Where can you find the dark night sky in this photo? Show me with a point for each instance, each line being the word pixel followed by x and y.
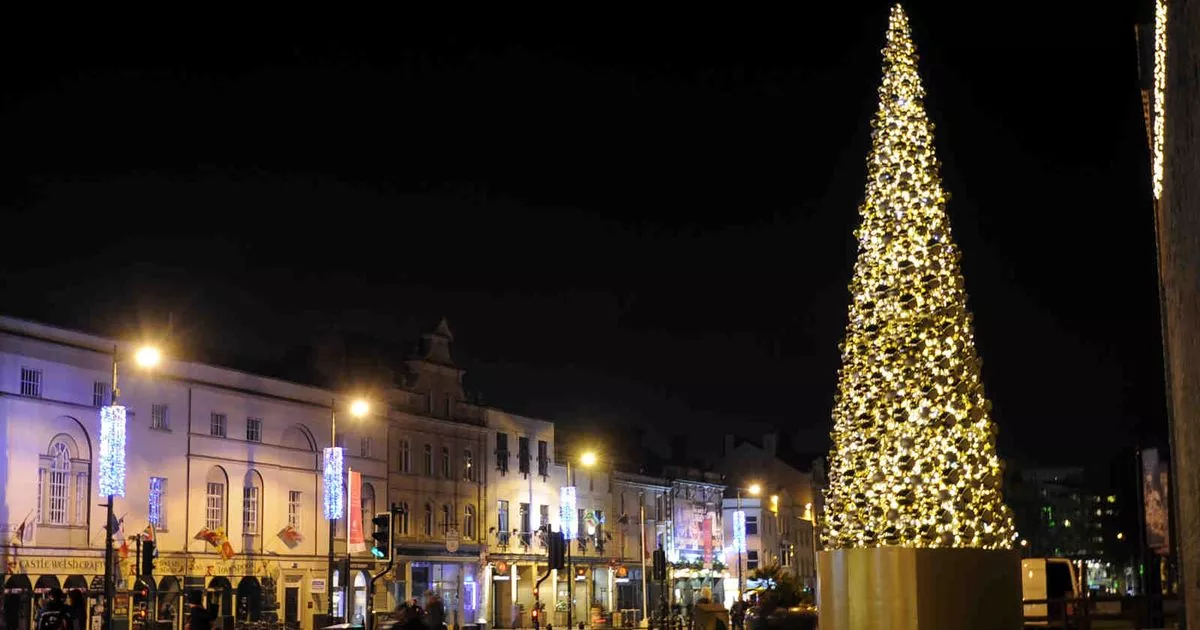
pixel 649 226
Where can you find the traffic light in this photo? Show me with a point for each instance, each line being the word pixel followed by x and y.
pixel 660 565
pixel 147 558
pixel 382 536
pixel 558 551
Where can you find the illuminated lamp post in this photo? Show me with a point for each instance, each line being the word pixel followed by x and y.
pixel 112 465
pixel 334 474
pixel 570 526
pixel 739 533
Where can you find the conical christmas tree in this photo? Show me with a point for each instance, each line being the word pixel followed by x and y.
pixel 913 462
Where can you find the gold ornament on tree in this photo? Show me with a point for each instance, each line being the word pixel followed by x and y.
pixel 913 462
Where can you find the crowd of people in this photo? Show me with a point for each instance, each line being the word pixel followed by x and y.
pixel 411 616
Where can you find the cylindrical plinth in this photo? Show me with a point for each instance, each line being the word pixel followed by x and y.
pixel 919 589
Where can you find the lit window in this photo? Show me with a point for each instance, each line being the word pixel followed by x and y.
pixel 468 465
pixel 60 473
pixel 250 510
pixel 214 513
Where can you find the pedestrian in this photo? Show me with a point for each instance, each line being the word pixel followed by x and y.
pixel 435 612
pixel 737 614
pixel 198 618
pixel 54 614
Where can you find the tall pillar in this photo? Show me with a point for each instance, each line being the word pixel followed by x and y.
pixel 1179 269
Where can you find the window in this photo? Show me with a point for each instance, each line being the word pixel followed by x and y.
pixel 364 446
pixel 405 457
pixel 445 520
pixel 41 497
pixel 428 460
pixel 294 509
pixel 525 518
pixel 159 417
pixel 216 424
pixel 214 513
pixel 502 521
pixel 60 476
pixel 591 482
pixel 544 522
pixel 469 522
pixel 402 521
pixel 428 528
pixel 502 452
pixel 523 455
pixel 658 507
pixel 250 509
pixel 445 462
pixel 81 495
pixel 751 558
pixel 99 394
pixel 156 504
pixel 368 502
pixel 543 458
pixel 751 525
pixel 468 465
pixel 31 382
pixel 253 429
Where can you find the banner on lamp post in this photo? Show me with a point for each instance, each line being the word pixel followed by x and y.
pixel 570 518
pixel 354 507
pixel 334 503
pixel 112 451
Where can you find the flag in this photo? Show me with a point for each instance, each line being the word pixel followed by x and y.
pixel 226 550
pixel 124 549
pixel 354 505
pixel 148 533
pixel 209 536
pixel 290 536
pixel 19 536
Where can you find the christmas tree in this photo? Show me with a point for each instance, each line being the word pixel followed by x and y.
pixel 913 462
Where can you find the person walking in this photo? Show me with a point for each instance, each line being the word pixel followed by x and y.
pixel 54 614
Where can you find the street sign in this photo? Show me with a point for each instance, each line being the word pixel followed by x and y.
pixel 452 540
pixel 317 586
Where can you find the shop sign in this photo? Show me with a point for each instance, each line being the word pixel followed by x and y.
pixel 317 586
pixel 62 564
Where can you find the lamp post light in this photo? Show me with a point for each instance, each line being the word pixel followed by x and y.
pixel 334 473
pixel 754 489
pixel 587 460
pixel 112 464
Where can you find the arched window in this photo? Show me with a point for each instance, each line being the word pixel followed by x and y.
pixel 252 513
pixel 402 520
pixel 405 457
pixel 298 437
pixel 60 477
pixel 428 460
pixel 445 520
pixel 446 462
pixel 469 522
pixel 214 498
pixel 368 503
pixel 62 483
pixel 468 465
pixel 428 527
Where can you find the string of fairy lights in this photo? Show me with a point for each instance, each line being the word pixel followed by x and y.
pixel 913 462
pixel 1160 94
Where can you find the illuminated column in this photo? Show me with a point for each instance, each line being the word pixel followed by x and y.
pixel 915 483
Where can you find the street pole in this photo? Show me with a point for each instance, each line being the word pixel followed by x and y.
pixel 109 585
pixel 642 528
pixel 570 565
pixel 332 521
pixel 741 586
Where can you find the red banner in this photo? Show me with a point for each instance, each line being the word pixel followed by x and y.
pixel 354 503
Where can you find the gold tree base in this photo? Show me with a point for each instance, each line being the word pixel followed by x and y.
pixel 898 588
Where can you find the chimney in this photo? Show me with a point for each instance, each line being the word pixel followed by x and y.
pixel 729 444
pixel 770 441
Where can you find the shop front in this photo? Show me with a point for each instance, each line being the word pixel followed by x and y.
pixel 453 577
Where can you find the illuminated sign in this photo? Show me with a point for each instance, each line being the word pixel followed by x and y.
pixel 739 531
pixel 112 451
pixel 334 499
pixel 570 519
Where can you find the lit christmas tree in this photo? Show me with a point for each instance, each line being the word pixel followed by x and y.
pixel 914 460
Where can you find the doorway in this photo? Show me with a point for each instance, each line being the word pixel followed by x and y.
pixel 291 606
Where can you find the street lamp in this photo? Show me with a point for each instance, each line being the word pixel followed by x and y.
pixel 334 485
pixel 112 464
pixel 754 489
pixel 587 459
